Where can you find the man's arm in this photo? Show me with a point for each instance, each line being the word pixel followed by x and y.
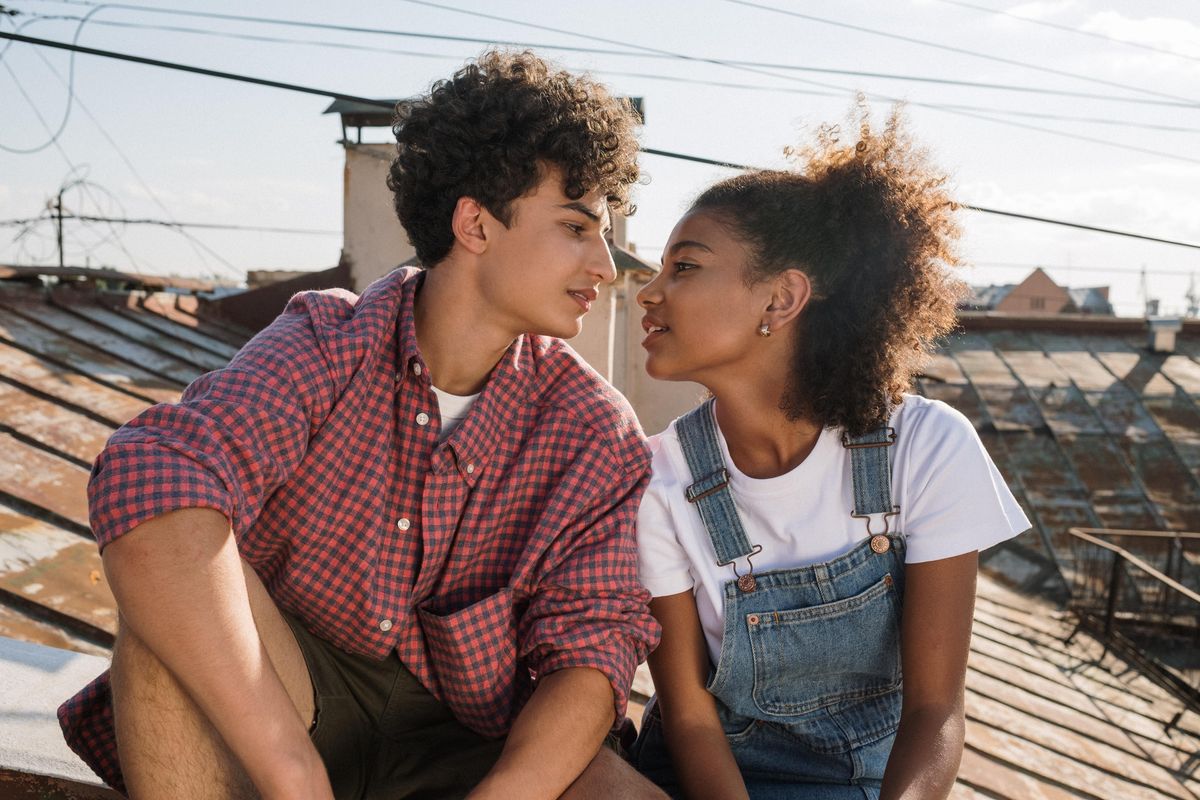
pixel 179 585
pixel 554 738
pixel 939 601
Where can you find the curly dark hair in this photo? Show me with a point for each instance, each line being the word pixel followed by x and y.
pixel 872 224
pixel 484 133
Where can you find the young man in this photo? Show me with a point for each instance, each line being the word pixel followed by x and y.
pixel 391 543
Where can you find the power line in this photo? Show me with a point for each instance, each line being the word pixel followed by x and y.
pixel 619 73
pixel 385 104
pixel 197 246
pixel 177 224
pixel 724 63
pixel 212 73
pixel 558 47
pixel 83 184
pixel 980 209
pixel 62 125
pixel 1079 31
pixel 889 98
pixel 953 49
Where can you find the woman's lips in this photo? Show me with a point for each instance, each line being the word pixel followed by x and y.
pixel 653 329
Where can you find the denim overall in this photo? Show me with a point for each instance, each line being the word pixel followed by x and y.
pixel 808 684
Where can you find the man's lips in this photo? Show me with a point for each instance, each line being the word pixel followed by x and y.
pixel 585 297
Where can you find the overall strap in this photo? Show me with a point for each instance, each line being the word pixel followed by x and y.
pixel 697 431
pixel 871 472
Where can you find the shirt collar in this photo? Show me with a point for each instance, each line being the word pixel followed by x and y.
pixel 508 393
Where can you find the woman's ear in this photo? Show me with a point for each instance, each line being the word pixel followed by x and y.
pixel 467 225
pixel 791 292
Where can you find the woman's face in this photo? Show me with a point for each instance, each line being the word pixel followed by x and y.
pixel 701 318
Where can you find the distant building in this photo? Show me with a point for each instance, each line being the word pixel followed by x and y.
pixel 1038 294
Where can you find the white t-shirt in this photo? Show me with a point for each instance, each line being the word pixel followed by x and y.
pixel 453 409
pixel 952 501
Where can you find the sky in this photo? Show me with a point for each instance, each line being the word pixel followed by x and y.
pixel 1097 121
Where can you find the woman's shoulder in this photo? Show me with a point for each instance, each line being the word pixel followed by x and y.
pixel 666 457
pixel 920 417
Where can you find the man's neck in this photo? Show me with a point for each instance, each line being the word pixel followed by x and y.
pixel 458 346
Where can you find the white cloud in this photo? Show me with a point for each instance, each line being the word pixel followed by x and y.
pixel 1042 9
pixel 1169 33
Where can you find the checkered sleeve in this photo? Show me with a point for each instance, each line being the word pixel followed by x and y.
pixel 590 610
pixel 236 434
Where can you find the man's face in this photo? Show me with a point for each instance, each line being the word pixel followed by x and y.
pixel 541 273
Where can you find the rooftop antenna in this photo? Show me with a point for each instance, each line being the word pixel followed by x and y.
pixel 1149 304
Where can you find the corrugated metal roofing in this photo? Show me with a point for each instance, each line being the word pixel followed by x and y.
pixel 1088 428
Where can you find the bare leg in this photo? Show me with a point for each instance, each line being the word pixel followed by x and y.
pixel 167 748
pixel 608 776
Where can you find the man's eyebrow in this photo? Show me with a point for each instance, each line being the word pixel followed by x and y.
pixel 575 205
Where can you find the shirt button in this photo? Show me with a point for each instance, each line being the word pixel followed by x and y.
pixel 470 468
pixel 385 625
pixel 422 418
pixel 416 369
pixel 404 524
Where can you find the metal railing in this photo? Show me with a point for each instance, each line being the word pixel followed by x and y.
pixel 1137 591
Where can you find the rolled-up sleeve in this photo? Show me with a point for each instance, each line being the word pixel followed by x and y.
pixel 590 610
pixel 234 437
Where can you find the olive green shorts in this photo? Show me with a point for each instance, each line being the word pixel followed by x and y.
pixel 382 735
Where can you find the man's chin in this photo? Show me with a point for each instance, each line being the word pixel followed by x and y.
pixel 563 331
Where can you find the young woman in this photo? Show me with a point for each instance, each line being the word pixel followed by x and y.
pixel 811 532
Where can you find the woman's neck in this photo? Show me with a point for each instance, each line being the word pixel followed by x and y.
pixel 763 442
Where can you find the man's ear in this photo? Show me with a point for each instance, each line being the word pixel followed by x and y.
pixel 467 225
pixel 791 292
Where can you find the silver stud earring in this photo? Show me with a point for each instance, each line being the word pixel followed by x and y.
pixel 764 330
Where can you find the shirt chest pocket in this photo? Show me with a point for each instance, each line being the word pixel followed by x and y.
pixel 474 654
pixel 827 655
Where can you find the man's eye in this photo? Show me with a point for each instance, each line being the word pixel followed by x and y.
pixel 575 229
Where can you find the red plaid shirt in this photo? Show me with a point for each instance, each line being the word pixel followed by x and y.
pixel 503 554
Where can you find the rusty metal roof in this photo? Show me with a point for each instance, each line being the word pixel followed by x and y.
pixel 74 366
pixel 1088 428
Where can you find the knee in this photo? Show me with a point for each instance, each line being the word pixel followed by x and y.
pixel 133 663
pixel 611 776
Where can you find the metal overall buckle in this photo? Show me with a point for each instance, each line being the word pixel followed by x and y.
pixel 880 543
pixel 746 583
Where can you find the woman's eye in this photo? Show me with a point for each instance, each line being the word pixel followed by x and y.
pixel 684 266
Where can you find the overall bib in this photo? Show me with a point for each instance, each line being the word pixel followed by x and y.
pixel 808 685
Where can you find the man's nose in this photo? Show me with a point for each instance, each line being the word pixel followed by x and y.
pixel 602 265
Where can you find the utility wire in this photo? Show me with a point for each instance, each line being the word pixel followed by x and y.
pixel 889 98
pixel 626 74
pixel 561 47
pixel 171 223
pixel 723 63
pixel 953 49
pixel 62 125
pixel 62 152
pixel 980 209
pixel 212 73
pixel 385 104
pixel 198 247
pixel 1079 31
